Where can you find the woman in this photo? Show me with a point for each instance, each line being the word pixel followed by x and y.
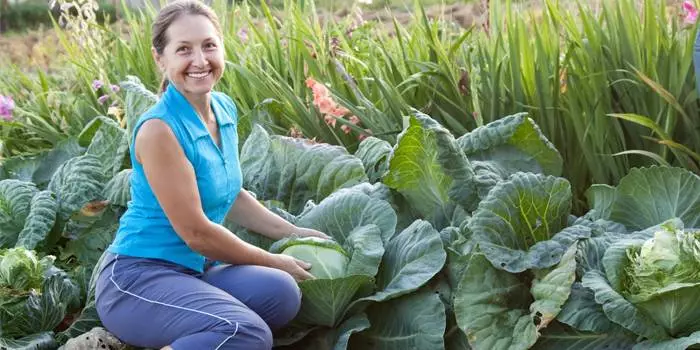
pixel 153 290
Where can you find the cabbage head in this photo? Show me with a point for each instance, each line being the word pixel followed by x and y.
pixel 651 285
pixel 34 298
pixel 341 273
pixel 327 258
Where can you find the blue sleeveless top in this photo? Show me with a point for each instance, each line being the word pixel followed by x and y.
pixel 144 229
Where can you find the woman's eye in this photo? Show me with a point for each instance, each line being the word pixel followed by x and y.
pixel 182 49
pixel 210 45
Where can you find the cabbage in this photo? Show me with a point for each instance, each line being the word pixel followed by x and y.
pixel 34 299
pixel 327 258
pixel 650 285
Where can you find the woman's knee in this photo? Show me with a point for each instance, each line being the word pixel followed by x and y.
pixel 253 335
pixel 289 299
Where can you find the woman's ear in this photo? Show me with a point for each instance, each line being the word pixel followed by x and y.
pixel 158 59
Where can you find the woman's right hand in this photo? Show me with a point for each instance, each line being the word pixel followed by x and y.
pixel 293 266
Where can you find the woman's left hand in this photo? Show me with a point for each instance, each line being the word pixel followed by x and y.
pixel 307 232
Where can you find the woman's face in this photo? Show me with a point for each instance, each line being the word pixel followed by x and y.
pixel 193 59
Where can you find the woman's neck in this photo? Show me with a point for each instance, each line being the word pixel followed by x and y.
pixel 202 106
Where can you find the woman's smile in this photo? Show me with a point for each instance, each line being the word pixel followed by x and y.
pixel 199 75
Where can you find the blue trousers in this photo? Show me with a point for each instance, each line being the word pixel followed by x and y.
pixel 153 303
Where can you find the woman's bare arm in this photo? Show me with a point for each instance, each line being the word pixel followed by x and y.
pixel 173 181
pixel 249 213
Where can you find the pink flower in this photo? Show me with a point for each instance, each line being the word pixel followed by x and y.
pixel 324 102
pixel 691 12
pixel 102 99
pixel 310 82
pixel 354 119
pixel 7 104
pixel 114 88
pixel 320 90
pixel 330 120
pixel 97 84
pixel 339 111
pixel 346 128
pixel 325 106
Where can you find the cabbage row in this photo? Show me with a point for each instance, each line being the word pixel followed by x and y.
pixel 437 242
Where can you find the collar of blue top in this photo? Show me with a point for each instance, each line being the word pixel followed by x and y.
pixel 178 104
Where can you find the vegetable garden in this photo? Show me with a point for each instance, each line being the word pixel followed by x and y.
pixel 530 183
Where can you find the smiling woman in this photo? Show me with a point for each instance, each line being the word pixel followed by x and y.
pixel 195 61
pixel 155 288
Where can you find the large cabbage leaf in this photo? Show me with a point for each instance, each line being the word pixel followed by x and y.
pixel 415 321
pixel 411 259
pixel 500 310
pixel 522 223
pixel 39 168
pixel 431 172
pixel 90 236
pixel 649 196
pixel 515 143
pixel 294 171
pixel 374 154
pixel 344 210
pixel 137 100
pixel 325 301
pixel 77 182
pixel 562 337
pixel 40 221
pixel 15 205
pixel 107 141
pixel 118 190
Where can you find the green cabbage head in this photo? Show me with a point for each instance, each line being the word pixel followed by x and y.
pixel 327 258
pixel 341 271
pixel 651 285
pixel 662 278
pixel 35 297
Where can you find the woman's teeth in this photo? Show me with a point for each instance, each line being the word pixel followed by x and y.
pixel 198 75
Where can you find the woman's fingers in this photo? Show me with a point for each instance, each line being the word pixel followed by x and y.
pixel 304 275
pixel 303 264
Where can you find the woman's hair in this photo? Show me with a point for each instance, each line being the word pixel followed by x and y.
pixel 171 12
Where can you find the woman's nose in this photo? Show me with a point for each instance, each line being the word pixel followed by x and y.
pixel 200 58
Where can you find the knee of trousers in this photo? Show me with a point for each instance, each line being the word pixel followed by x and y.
pixel 289 296
pixel 249 334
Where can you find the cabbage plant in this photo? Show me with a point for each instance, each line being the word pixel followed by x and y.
pixel 651 285
pixel 34 298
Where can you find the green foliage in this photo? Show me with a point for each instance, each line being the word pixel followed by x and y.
pixel 27 15
pixel 456 213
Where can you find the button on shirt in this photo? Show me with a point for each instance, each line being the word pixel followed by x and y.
pixel 144 229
